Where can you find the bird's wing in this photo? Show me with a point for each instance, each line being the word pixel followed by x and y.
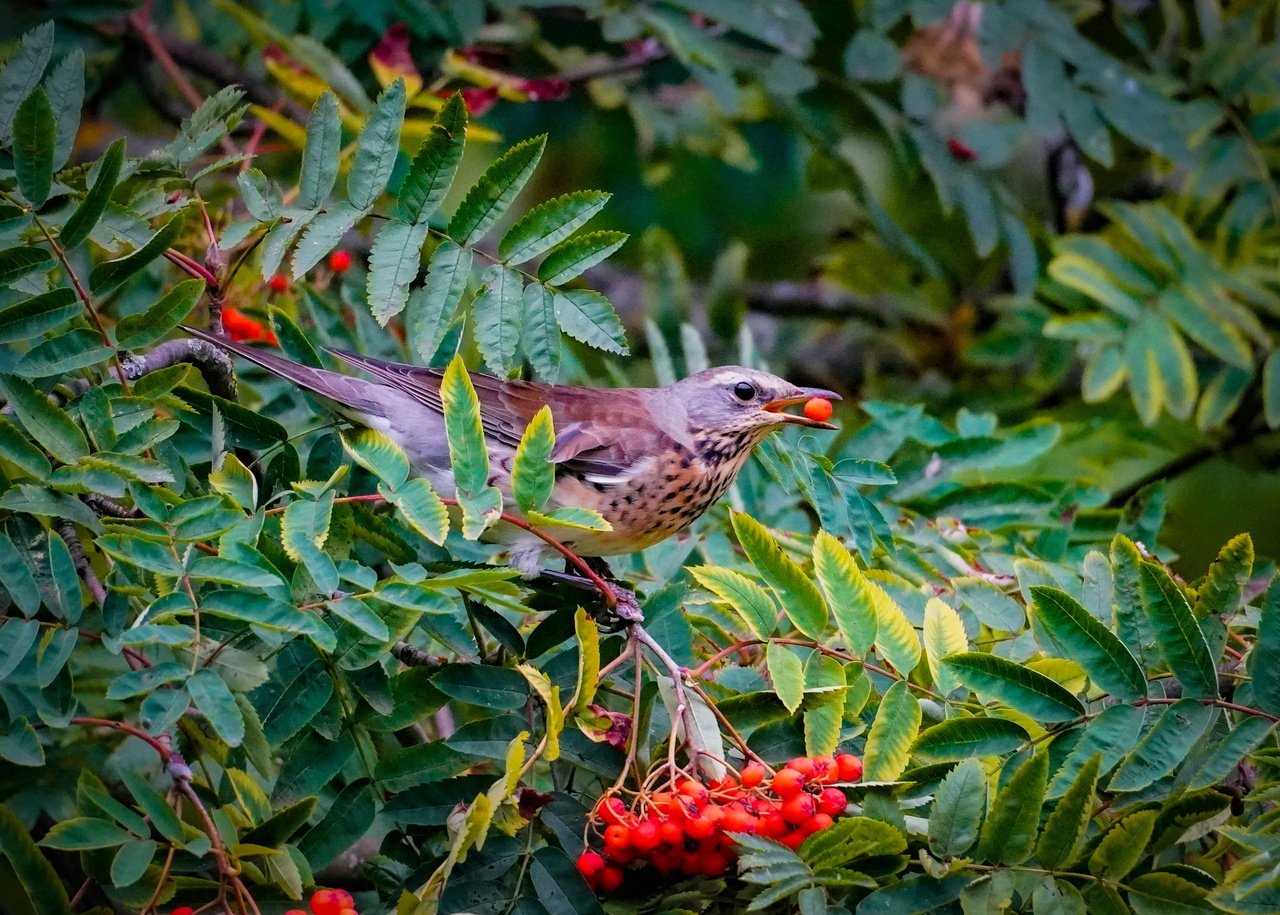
pixel 601 433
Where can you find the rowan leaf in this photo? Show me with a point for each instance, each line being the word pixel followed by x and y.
pixel 848 592
pixel 944 636
pixel 34 146
pixel 893 731
pixel 787 675
pixel 1009 834
pixel 533 476
pixel 957 810
pixel 394 262
pixel 577 255
pixel 498 317
pixel 1066 824
pixel 435 164
pixel 1181 641
pixel 376 148
pixel 1078 636
pixel 321 154
pixel 492 195
pixel 1164 746
pixel 796 592
pixel 588 317
pixel 548 224
pixel 960 738
pixel 431 308
pixel 747 598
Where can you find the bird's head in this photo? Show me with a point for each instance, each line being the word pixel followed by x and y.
pixel 732 399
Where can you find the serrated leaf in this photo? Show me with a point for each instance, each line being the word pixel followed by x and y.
pixel 848 592
pixel 991 605
pixel 586 316
pixel 468 456
pixel 321 154
pixel 498 316
pixel 235 481
pixel 393 266
pixel 1264 658
pixel 1009 834
pixel 435 164
pixel 577 255
pixel 541 333
pixel 796 592
pixel 533 476
pixel 34 144
pixel 1065 826
pixel 1123 846
pixel 74 349
pixel 896 639
pixel 379 455
pixel 432 307
pixel 1164 746
pixel 944 636
pixel 15 263
pixel 32 869
pixel 15 448
pixel 422 507
pixel 47 424
pixel 1181 641
pixel 21 73
pixel 571 516
pixel 322 235
pixel 960 738
pixel 957 810
pixel 357 613
pixel 1223 585
pixel 213 698
pixel 173 307
pixel 1080 637
pixel 893 731
pixel 492 195
pixel 304 530
pixel 37 315
pixel 65 88
pixel 1131 621
pixel 83 834
pixel 1020 688
pixel 111 274
pixel 377 147
pixel 747 598
pixel 548 224
pixel 787 675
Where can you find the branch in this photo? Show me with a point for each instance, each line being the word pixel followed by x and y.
pixel 214 364
pixel 67 531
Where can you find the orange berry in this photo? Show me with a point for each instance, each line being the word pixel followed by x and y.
pixel 752 775
pixel 279 283
pixel 672 833
pixel 832 801
pixel 348 912
pixel 611 811
pixel 184 910
pixel 694 791
pixel 326 902
pixel 825 770
pixel 802 764
pixel 818 409
pixel 617 837
pixel 798 809
pixel 611 878
pixel 738 819
pixel 787 783
pixel 340 261
pixel 850 767
pixel 793 839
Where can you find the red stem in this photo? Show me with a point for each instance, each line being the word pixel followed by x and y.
pixel 155 744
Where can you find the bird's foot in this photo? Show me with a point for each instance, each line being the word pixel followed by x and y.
pixel 626 610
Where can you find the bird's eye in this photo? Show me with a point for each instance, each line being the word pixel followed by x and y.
pixel 744 391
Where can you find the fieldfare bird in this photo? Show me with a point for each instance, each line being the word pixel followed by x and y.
pixel 651 461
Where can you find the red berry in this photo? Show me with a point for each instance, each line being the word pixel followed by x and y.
pixel 850 767
pixel 818 409
pixel 290 912
pixel 773 825
pixel 816 823
pixel 348 912
pixel 798 809
pixel 589 864
pixel 621 857
pixel 326 902
pixel 787 783
pixel 803 765
pixel 187 910
pixel 617 837
pixel 712 863
pixel 612 811
pixel 702 826
pixel 647 836
pixel 694 791
pixel 279 283
pixel 737 819
pixel 340 261
pixel 345 899
pixel 793 839
pixel 672 833
pixel 961 150
pixel 825 770
pixel 832 801
pixel 752 775
pixel 610 878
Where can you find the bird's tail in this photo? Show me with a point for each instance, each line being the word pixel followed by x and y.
pixel 354 394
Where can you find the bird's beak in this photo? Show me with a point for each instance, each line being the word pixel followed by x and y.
pixel 801 396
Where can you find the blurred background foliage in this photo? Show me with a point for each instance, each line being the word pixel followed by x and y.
pixel 1060 210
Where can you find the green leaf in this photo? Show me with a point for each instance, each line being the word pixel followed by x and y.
pixel 1066 825
pixel 848 593
pixel 15 448
pixel 532 474
pixel 1221 397
pixel 492 195
pixel 289 708
pixel 421 765
pixel 431 307
pixel 345 822
pixel 1223 585
pixel 213 698
pixel 1168 894
pixel 83 833
pixel 498 316
pixel 1081 638
pixel 1181 641
pixel 468 456
pixel 747 598
pixel 145 329
pixel 421 506
pixel 1164 746
pixel 67 352
pixel 281 825
pixel 22 72
pixel 960 738
pixel 957 810
pixel 896 725
pixel 293 342
pixel 896 639
pixel 109 275
pixel 32 869
pixel 377 147
pixel 304 530
pixel 357 613
pixel 944 636
pixel 33 317
pixel 65 88
pixel 796 592
pixel 379 455
pixel 1020 688
pixel 1197 322
pixel 560 888
pixel 1131 620
pixel 548 224
pixel 578 255
pixel 1009 834
pixel 1264 658
pixel 1270 388
pixel 990 604
pixel 34 140
pixel 586 316
pixel 541 332
pixel 131 862
pixel 393 264
pixel 15 263
pixel 483 686
pixel 914 895
pixel 787 675
pixel 47 424
pixel 323 234
pixel 1123 846
pixel 235 481
pixel 435 164
pixel 321 155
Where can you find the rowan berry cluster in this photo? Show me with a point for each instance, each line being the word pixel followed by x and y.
pixel 686 831
pixel 240 327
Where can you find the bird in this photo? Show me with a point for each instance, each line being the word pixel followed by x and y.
pixel 650 461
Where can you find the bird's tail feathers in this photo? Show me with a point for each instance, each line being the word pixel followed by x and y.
pixel 356 394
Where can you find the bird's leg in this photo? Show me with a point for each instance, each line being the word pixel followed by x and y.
pixel 627 609
pixel 598 565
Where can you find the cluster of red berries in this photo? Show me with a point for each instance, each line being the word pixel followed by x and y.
pixel 240 327
pixel 684 832
pixel 323 902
